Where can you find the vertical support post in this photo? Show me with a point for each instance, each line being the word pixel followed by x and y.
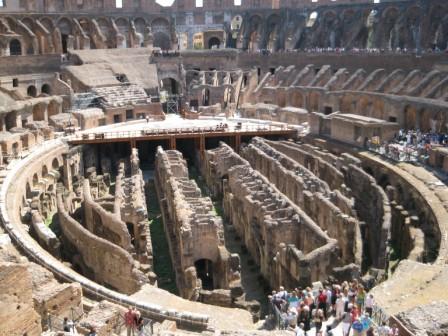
pixel 172 142
pixel 237 142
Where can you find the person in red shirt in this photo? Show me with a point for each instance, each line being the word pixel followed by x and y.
pixel 355 313
pixel 322 302
pixel 129 321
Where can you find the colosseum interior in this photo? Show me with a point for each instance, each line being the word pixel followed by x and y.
pixel 188 158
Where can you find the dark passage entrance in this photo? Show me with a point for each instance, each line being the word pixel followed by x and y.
pixel 204 269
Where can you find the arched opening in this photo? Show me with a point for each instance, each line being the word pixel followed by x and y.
pixel 15 48
pixel 410 117
pixel 64 41
pixel 31 91
pixel 44 171
pixel 55 164
pixel 204 270
pixel 214 43
pixel 206 97
pixel 314 102
pixel 130 228
pixel 35 180
pixel 28 191
pixel 46 89
pixel 123 28
pixel 171 85
pixel 296 99
pixel 65 27
pixel 39 112
pixel 53 108
pixel 312 19
pixel 162 41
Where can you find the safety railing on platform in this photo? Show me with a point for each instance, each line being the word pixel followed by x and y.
pixel 175 131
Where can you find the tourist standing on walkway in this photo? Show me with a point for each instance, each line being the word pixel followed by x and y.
pixel 129 321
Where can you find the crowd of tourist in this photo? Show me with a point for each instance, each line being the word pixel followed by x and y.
pixel 348 304
pixel 411 145
pixel 369 51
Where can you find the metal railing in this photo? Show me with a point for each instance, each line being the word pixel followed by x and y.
pixel 398 152
pixel 175 131
pixel 281 323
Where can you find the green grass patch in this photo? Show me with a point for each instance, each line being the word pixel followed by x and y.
pixel 163 266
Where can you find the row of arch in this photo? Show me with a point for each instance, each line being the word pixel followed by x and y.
pixel 31 91
pixel 49 35
pixel 373 27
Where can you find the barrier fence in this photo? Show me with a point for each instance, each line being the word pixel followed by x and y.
pixel 177 131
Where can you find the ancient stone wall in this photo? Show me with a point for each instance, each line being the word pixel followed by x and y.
pixel 302 188
pixel 101 256
pixel 216 164
pixel 17 314
pixel 130 206
pixel 103 223
pixel 265 218
pixel 193 231
pixel 414 102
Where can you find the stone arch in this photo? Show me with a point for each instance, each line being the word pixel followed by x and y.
pixel 39 112
pixel 273 26
pixel 140 25
pixel 171 85
pixel 15 47
pixel 363 106
pixel 28 193
pixel 255 23
pixel 123 29
pixel 313 103
pixel 65 25
pixel 105 27
pixel 53 108
pixel 46 88
pixel 31 91
pixel 204 271
pixel 378 109
pixel 44 171
pixel 389 18
pixel 35 180
pixel 410 117
pixel 345 104
pixel 206 97
pixel 214 42
pixel 160 24
pixel 296 99
pixel 312 19
pixel 47 23
pixel 66 30
pixel 162 40
pixel 425 120
pixel 55 164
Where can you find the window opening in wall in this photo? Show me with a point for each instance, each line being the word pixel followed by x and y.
pixel 272 71
pixel 392 119
pixel 118 3
pixel 117 118
pixel 15 48
pixel 312 19
pixel 15 82
pixel 237 2
pixel 2 3
pixel 129 114
pixel 328 110
pixel 199 3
